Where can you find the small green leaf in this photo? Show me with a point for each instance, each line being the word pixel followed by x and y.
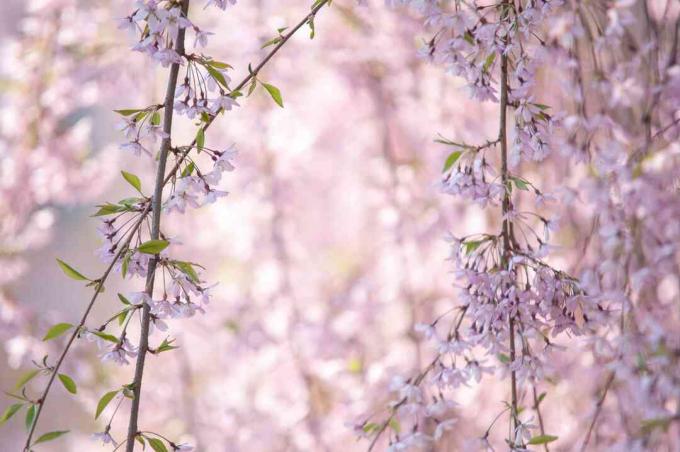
pixel 472 245
pixel 71 272
pixel 105 336
pixel 200 138
pixel 156 444
pixel 124 300
pixel 104 401
pixel 540 398
pixel 108 209
pixel 217 75
pixel 156 118
pixel 394 425
pixel 166 346
pixel 57 330
pixel 68 383
pixel 132 180
pixel 30 416
pixel 50 436
pixel 272 42
pixel 153 246
pixel 451 160
pixel 125 264
pixel 187 269
pixel 9 412
pixel 520 183
pixel 274 92
pixel 188 170
pixel 502 357
pixel 219 64
pixel 25 378
pixel 122 316
pixel 489 61
pixel 542 439
pixel 127 112
pixel 371 427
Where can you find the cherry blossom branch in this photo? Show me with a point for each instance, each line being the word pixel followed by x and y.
pixel 318 4
pixel 156 203
pixel 76 332
pixel 142 216
pixel 507 245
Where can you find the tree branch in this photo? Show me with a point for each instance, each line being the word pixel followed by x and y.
pixel 156 205
pixel 317 7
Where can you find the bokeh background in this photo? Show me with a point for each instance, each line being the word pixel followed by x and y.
pixel 328 250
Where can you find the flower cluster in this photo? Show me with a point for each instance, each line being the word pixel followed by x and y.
pixel 513 305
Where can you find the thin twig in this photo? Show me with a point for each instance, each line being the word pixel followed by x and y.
pixel 537 409
pixel 598 409
pixel 81 324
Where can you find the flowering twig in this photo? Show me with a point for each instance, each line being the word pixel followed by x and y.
pixel 123 246
pixel 156 203
pixel 81 324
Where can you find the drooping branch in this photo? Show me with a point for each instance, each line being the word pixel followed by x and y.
pixel 156 204
pixel 123 248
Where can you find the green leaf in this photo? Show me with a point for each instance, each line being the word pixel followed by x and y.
pixel 71 272
pixel 132 180
pixel 104 401
pixel 649 425
pixel 272 42
pixel 50 436
pixel 124 300
pixel 502 357
pixel 371 427
pixel 127 112
pixel 141 115
pixel 25 378
pixel 57 330
pixel 140 440
pixel 274 92
pixel 451 160
pixel 156 118
pixel 166 346
pixel 217 75
pixel 188 170
pixel 125 264
pixel 122 316
pixel 489 61
pixel 219 64
pixel 105 336
pixel 30 416
pixel 9 412
pixel 200 138
pixel 187 269
pixel 156 444
pixel 68 383
pixel 540 398
pixel 520 183
pixel 472 245
pixel 542 439
pixel 153 246
pixel 108 209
